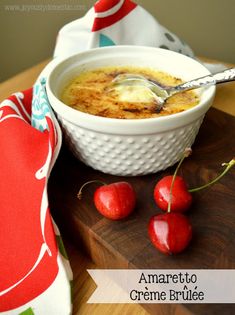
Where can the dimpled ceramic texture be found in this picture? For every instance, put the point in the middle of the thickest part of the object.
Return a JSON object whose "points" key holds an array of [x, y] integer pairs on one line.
{"points": [[128, 147], [129, 155]]}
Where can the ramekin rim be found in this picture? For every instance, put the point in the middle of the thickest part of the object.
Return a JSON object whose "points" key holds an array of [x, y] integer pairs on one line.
{"points": [[117, 121]]}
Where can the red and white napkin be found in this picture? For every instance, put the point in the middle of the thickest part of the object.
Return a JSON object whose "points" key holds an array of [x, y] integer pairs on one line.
{"points": [[119, 22], [34, 274], [116, 22]]}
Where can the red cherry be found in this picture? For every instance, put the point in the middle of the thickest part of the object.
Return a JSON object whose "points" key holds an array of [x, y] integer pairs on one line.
{"points": [[181, 198], [170, 232], [115, 201]]}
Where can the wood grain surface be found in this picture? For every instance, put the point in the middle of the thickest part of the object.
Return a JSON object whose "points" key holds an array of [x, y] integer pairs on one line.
{"points": [[125, 244]]}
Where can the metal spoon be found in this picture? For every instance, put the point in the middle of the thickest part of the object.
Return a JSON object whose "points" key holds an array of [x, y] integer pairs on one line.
{"points": [[161, 94]]}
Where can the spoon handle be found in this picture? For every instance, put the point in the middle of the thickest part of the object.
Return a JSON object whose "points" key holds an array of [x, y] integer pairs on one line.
{"points": [[220, 77]]}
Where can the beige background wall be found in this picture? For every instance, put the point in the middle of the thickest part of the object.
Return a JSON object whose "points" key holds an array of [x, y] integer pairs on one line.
{"points": [[28, 34]]}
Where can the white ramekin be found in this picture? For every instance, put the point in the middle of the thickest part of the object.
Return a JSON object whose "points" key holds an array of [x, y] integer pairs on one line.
{"points": [[128, 147]]}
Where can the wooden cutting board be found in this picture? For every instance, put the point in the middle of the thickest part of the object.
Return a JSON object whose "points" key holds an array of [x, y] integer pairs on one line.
{"points": [[125, 244]]}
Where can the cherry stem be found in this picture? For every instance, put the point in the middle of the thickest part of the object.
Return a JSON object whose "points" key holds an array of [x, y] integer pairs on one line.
{"points": [[186, 153], [79, 194], [228, 166]]}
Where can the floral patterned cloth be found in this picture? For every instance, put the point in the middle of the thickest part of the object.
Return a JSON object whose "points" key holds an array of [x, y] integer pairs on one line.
{"points": [[116, 22], [35, 274]]}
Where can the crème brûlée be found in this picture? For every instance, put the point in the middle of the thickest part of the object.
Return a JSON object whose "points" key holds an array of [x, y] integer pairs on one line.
{"points": [[92, 92]]}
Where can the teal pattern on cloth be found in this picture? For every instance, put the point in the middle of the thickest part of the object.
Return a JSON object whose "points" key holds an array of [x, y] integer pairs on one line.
{"points": [[40, 105], [105, 41]]}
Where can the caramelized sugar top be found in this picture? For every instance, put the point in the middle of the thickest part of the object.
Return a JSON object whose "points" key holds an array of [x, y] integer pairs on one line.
{"points": [[91, 92]]}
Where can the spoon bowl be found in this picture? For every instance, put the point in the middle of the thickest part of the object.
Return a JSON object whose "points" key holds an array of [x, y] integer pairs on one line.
{"points": [[161, 94]]}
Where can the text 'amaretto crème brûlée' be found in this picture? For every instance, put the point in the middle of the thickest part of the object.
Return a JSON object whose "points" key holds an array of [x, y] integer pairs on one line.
{"points": [[91, 92]]}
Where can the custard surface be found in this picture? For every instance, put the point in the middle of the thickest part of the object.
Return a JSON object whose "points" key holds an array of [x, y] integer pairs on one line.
{"points": [[91, 92]]}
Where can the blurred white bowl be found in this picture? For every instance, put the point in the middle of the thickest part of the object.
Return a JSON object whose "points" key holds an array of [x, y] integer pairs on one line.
{"points": [[128, 147]]}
